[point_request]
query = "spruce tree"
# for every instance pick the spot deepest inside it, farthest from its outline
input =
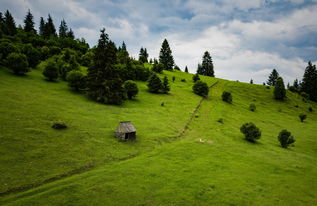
(124, 46)
(279, 89)
(207, 67)
(2, 25)
(165, 85)
(309, 83)
(49, 28)
(9, 24)
(143, 55)
(272, 78)
(29, 23)
(296, 84)
(166, 57)
(42, 27)
(104, 84)
(251, 81)
(186, 69)
(70, 34)
(154, 84)
(63, 29)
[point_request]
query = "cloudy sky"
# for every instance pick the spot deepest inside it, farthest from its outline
(246, 38)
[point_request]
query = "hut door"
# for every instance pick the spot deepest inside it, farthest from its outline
(126, 137)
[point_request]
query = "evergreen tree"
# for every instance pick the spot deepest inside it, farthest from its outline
(63, 29)
(309, 83)
(154, 84)
(166, 57)
(196, 77)
(29, 23)
(251, 81)
(103, 80)
(70, 34)
(42, 27)
(9, 24)
(207, 67)
(49, 28)
(124, 46)
(143, 56)
(165, 85)
(279, 89)
(186, 69)
(272, 78)
(2, 25)
(296, 84)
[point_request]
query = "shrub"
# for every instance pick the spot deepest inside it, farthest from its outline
(268, 87)
(252, 107)
(279, 89)
(310, 109)
(302, 117)
(154, 84)
(59, 125)
(165, 85)
(32, 54)
(173, 78)
(285, 138)
(162, 104)
(201, 88)
(296, 106)
(304, 95)
(183, 80)
(293, 89)
(18, 63)
(131, 88)
(158, 68)
(250, 131)
(220, 120)
(51, 71)
(76, 80)
(196, 77)
(227, 97)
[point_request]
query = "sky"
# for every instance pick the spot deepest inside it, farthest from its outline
(246, 38)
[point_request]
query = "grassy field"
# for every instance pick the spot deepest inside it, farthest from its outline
(211, 164)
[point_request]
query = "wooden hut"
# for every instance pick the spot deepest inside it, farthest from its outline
(126, 131)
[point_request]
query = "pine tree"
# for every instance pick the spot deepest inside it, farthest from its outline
(251, 81)
(296, 84)
(2, 25)
(49, 28)
(165, 85)
(63, 29)
(309, 83)
(207, 67)
(42, 27)
(279, 89)
(9, 24)
(103, 80)
(70, 34)
(166, 57)
(154, 84)
(186, 69)
(272, 78)
(124, 46)
(29, 23)
(143, 55)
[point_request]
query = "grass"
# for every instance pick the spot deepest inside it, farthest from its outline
(211, 164)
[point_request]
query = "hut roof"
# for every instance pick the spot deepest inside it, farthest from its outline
(126, 127)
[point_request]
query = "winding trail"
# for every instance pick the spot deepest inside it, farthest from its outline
(90, 166)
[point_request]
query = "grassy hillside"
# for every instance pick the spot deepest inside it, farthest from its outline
(211, 164)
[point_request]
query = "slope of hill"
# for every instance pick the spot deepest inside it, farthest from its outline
(210, 164)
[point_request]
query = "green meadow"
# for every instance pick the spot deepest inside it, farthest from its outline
(182, 155)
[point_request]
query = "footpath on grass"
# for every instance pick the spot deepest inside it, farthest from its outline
(90, 166)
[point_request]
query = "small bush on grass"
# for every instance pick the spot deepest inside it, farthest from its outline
(310, 109)
(285, 138)
(165, 85)
(51, 71)
(250, 131)
(59, 125)
(201, 88)
(183, 80)
(76, 80)
(196, 77)
(18, 63)
(302, 117)
(154, 84)
(220, 120)
(227, 97)
(252, 107)
(131, 88)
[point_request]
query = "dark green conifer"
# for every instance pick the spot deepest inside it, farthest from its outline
(166, 57)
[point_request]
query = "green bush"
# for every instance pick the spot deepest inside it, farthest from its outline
(173, 78)
(158, 68)
(165, 85)
(51, 70)
(310, 109)
(18, 63)
(196, 77)
(285, 138)
(131, 88)
(250, 131)
(201, 88)
(154, 84)
(227, 97)
(252, 107)
(304, 95)
(302, 117)
(32, 54)
(59, 125)
(76, 80)
(183, 80)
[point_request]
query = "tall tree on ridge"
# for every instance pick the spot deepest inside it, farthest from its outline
(42, 27)
(309, 83)
(273, 78)
(9, 24)
(63, 29)
(49, 28)
(143, 55)
(166, 57)
(70, 34)
(186, 69)
(28, 22)
(207, 67)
